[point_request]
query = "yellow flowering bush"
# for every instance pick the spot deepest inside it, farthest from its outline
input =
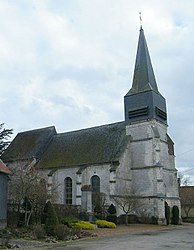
(105, 224)
(83, 225)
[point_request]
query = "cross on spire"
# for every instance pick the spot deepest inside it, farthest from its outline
(140, 19)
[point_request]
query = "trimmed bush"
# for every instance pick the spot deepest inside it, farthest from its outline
(175, 215)
(83, 225)
(167, 213)
(105, 224)
(51, 219)
(112, 209)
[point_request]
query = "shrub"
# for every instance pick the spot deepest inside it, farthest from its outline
(131, 219)
(175, 215)
(83, 225)
(62, 232)
(84, 216)
(98, 209)
(39, 232)
(105, 224)
(69, 220)
(44, 214)
(112, 209)
(154, 220)
(188, 219)
(5, 237)
(167, 213)
(75, 231)
(112, 218)
(64, 211)
(51, 219)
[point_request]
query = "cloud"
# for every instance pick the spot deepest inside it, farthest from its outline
(69, 63)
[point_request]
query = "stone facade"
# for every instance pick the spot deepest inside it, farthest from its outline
(133, 158)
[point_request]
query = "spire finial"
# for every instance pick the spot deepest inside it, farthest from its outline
(140, 19)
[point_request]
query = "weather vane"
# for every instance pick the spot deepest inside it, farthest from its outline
(140, 19)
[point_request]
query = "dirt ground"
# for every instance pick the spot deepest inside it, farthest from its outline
(133, 228)
(101, 233)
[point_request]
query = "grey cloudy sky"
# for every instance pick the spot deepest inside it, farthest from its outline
(69, 63)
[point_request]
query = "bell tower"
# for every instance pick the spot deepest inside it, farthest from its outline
(152, 162)
(144, 101)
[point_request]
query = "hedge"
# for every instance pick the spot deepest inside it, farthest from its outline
(83, 225)
(105, 224)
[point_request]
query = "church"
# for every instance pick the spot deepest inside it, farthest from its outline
(132, 159)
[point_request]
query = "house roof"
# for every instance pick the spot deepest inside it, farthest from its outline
(3, 168)
(187, 194)
(94, 145)
(87, 146)
(186, 189)
(29, 144)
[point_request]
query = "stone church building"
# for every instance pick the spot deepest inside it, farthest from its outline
(132, 158)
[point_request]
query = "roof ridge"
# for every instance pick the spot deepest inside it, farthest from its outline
(38, 129)
(90, 128)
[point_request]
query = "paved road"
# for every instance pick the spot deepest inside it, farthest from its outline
(182, 238)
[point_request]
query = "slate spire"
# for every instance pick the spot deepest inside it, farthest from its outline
(143, 101)
(143, 78)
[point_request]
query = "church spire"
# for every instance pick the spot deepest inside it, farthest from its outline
(143, 78)
(143, 101)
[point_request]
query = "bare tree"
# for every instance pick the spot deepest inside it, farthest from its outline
(128, 203)
(27, 190)
(184, 180)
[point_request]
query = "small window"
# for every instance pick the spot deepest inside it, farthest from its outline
(68, 191)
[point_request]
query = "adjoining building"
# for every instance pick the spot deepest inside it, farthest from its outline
(4, 171)
(187, 202)
(132, 158)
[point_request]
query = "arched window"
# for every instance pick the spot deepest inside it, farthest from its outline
(95, 181)
(96, 195)
(68, 191)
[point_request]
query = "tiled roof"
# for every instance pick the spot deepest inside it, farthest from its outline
(186, 190)
(88, 146)
(29, 144)
(3, 168)
(187, 195)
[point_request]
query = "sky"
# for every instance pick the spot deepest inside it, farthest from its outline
(70, 63)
